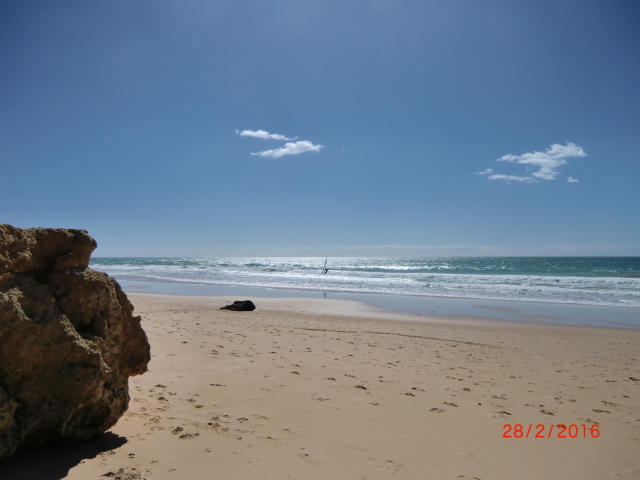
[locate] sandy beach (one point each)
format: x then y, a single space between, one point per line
332 389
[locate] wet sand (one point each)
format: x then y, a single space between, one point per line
333 389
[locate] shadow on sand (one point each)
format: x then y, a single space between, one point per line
54 460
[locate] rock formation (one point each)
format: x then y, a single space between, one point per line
240 306
68 340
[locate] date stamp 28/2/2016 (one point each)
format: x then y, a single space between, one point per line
551 431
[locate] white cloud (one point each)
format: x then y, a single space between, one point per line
572 180
290 149
261 134
488 171
514 178
546 163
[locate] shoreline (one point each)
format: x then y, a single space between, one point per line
452 307
316 389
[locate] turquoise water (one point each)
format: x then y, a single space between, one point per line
603 281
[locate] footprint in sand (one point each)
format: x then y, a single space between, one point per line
124 474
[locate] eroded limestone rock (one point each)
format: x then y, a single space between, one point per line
68 340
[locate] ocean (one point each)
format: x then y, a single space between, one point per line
595 281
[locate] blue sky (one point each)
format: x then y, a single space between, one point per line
397 127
